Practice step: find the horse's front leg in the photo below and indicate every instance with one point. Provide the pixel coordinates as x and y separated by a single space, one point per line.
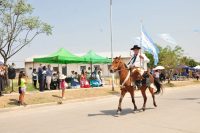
143 91
120 101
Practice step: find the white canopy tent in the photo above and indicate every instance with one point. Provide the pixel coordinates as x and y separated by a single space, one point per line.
159 68
197 67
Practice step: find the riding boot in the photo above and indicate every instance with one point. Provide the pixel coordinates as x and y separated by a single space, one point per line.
138 84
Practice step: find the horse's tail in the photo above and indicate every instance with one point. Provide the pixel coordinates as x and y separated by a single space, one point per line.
159 87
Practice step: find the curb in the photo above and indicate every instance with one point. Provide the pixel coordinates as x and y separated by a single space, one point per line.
59 102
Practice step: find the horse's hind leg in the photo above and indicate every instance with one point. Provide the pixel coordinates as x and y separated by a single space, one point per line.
133 98
153 96
143 91
120 101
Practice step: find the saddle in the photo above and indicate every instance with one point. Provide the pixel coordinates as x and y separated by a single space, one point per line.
139 77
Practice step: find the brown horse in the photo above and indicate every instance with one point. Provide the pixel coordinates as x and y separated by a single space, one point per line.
126 79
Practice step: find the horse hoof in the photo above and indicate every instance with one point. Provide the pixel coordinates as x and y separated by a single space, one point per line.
118 112
155 105
143 109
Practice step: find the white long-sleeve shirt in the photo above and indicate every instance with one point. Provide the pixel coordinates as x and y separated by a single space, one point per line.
136 63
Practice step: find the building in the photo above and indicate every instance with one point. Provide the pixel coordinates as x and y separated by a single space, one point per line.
67 68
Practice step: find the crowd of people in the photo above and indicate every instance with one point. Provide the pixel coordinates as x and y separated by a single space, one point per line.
49 79
182 74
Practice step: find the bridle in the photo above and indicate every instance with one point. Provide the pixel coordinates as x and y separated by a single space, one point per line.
119 69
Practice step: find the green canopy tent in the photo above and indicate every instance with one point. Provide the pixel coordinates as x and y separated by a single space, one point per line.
92 58
62 56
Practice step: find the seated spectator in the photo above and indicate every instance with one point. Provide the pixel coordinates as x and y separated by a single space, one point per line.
84 82
55 81
96 80
75 81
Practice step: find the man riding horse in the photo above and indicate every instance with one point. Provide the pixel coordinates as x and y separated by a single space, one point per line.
139 61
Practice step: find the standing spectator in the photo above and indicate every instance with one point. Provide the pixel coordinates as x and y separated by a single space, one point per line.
100 74
197 76
2 78
63 85
156 75
43 78
88 73
11 75
40 77
99 78
22 87
34 78
48 76
72 74
162 76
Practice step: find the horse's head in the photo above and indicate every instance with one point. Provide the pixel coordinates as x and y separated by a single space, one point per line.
117 64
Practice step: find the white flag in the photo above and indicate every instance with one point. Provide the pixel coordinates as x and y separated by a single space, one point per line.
148 45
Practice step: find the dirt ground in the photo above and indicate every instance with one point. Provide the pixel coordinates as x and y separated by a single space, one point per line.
36 97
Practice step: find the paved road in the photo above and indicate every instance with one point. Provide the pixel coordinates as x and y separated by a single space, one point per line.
178 111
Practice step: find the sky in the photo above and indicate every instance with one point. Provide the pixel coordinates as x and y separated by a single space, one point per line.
83 25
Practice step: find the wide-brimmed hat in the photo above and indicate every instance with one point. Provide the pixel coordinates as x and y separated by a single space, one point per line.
135 47
62 76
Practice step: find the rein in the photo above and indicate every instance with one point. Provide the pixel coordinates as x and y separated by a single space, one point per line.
127 77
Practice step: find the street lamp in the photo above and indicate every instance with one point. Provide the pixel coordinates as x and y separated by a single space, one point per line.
111 42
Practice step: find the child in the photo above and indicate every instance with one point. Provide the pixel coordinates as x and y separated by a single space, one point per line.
55 81
22 87
63 85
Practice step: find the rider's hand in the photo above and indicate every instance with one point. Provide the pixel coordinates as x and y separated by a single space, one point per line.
141 57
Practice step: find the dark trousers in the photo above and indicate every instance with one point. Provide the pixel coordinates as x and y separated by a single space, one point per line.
35 83
41 84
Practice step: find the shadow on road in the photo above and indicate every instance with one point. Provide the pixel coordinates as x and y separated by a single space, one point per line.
189 99
114 112
56 96
13 102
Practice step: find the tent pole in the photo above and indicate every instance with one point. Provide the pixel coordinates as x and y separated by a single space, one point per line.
91 69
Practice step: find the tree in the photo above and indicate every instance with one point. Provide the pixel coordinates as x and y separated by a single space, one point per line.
150 56
188 61
170 58
17 27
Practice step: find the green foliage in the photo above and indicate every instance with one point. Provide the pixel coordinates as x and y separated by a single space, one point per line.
18 27
170 58
150 56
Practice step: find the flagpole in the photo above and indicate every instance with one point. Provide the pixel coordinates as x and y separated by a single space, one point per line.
140 42
111 40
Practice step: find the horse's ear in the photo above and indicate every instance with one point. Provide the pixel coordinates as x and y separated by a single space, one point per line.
120 57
